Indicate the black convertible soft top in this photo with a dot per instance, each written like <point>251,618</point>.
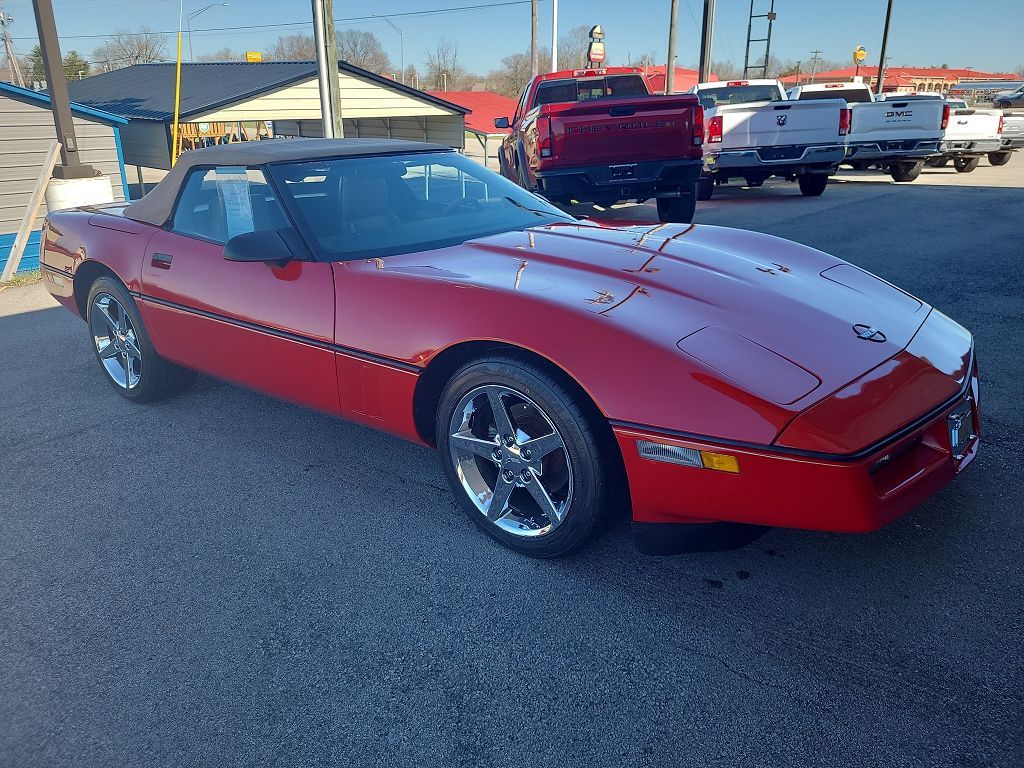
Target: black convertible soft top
<point>157,206</point>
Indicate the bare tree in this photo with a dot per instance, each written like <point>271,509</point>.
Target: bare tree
<point>644,60</point>
<point>572,47</point>
<point>124,48</point>
<point>292,48</point>
<point>515,73</point>
<point>443,70</point>
<point>363,49</point>
<point>224,54</point>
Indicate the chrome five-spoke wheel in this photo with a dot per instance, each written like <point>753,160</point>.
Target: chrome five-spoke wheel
<point>511,460</point>
<point>116,341</point>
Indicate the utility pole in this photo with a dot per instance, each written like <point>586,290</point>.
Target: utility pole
<point>815,58</point>
<point>534,63</point>
<point>881,54</point>
<point>401,41</point>
<point>670,67</point>
<point>327,68</point>
<point>70,166</point>
<point>706,35</point>
<point>554,35</point>
<point>12,59</point>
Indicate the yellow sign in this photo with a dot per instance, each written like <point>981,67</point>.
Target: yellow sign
<point>253,56</point>
<point>859,55</point>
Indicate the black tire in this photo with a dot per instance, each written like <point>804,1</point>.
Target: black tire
<point>157,377</point>
<point>1003,105</point>
<point>705,188</point>
<point>860,165</point>
<point>595,467</point>
<point>937,162</point>
<point>754,181</point>
<point>812,184</point>
<point>999,158</point>
<point>677,210</point>
<point>906,171</point>
<point>966,164</point>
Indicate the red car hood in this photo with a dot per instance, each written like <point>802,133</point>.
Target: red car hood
<point>787,322</point>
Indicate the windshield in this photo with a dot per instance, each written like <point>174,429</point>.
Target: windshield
<point>614,87</point>
<point>851,95</point>
<point>366,207</point>
<point>738,94</point>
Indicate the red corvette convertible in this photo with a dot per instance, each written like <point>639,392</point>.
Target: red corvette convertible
<point>562,369</point>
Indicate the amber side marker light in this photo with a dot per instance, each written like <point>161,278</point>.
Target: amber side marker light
<point>688,457</point>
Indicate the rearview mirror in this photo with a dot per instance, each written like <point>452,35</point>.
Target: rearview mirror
<point>501,122</point>
<point>268,245</point>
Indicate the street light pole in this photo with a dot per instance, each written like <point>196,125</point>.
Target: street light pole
<point>554,35</point>
<point>189,22</point>
<point>70,166</point>
<point>327,69</point>
<point>880,85</point>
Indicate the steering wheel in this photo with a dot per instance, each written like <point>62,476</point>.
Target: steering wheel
<point>462,201</point>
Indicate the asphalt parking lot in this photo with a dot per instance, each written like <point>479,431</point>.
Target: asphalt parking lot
<point>224,579</point>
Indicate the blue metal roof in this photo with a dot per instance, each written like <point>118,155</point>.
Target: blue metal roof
<point>43,99</point>
<point>146,91</point>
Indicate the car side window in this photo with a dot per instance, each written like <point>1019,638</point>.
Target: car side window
<point>219,203</point>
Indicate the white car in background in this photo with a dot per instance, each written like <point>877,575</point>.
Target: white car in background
<point>897,134</point>
<point>752,132</point>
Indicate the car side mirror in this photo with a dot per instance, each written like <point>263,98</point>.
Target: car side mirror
<point>266,246</point>
<point>501,122</point>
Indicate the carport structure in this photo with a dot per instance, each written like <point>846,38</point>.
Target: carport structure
<point>234,101</point>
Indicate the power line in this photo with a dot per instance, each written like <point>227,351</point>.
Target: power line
<point>287,24</point>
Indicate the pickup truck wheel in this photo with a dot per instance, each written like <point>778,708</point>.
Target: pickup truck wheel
<point>528,464</point>
<point>754,181</point>
<point>966,164</point>
<point>705,188</point>
<point>677,210</point>
<point>905,171</point>
<point>999,158</point>
<point>937,162</point>
<point>812,184</point>
<point>123,348</point>
<point>1003,105</point>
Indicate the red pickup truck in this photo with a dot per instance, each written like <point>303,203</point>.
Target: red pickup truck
<point>599,136</point>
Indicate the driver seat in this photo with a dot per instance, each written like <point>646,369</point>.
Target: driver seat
<point>366,205</point>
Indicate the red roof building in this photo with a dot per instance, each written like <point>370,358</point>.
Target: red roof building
<point>484,106</point>
<point>685,78</point>
<point>934,79</point>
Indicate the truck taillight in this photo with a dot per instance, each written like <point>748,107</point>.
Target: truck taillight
<point>1001,123</point>
<point>945,116</point>
<point>544,136</point>
<point>715,130</point>
<point>698,126</point>
<point>845,117</point>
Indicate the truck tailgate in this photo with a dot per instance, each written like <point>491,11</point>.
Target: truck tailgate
<point>608,131</point>
<point>779,123</point>
<point>893,120</point>
<point>972,124</point>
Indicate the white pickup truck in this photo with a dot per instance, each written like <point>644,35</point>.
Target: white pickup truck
<point>753,132</point>
<point>1012,138</point>
<point>898,134</point>
<point>970,135</point>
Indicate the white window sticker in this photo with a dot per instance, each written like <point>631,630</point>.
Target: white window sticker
<point>234,191</point>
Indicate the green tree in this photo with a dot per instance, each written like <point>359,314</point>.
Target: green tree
<point>35,60</point>
<point>75,67</point>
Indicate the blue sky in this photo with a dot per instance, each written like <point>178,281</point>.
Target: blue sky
<point>985,35</point>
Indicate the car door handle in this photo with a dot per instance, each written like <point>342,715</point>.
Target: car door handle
<point>162,260</point>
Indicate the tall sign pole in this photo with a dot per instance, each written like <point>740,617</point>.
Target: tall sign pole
<point>554,35</point>
<point>670,66</point>
<point>70,166</point>
<point>706,34</point>
<point>327,68</point>
<point>881,54</point>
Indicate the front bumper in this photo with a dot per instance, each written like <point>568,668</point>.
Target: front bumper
<point>974,147</point>
<point>799,489</point>
<point>893,150</point>
<point>620,181</point>
<point>777,161</point>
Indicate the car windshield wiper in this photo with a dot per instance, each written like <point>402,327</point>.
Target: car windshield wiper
<point>517,204</point>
